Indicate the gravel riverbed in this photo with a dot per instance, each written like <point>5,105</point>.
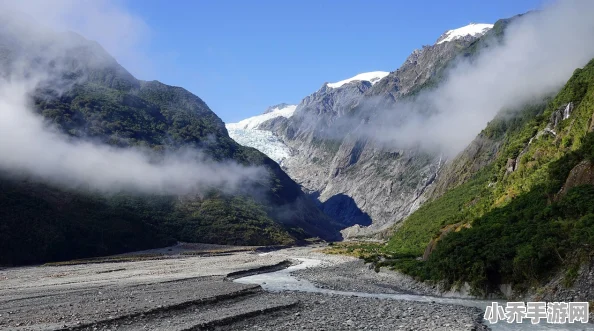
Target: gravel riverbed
<point>184,292</point>
<point>337,312</point>
<point>356,276</point>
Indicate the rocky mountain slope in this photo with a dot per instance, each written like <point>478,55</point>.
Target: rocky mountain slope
<point>513,210</point>
<point>85,95</point>
<point>360,182</point>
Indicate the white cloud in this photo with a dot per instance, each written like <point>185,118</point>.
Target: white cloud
<point>28,145</point>
<point>122,33</point>
<point>539,53</point>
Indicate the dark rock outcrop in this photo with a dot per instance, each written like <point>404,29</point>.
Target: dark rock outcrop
<point>581,174</point>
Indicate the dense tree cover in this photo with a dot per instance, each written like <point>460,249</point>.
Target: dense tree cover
<point>93,98</point>
<point>40,223</point>
<point>43,223</point>
<point>520,230</point>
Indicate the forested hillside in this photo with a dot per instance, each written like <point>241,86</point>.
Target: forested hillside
<point>524,213</point>
<point>89,97</point>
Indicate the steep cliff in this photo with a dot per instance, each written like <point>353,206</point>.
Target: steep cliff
<point>343,169</point>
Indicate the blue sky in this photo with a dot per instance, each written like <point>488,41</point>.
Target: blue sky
<point>243,56</point>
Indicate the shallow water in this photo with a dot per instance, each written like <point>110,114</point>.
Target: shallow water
<point>282,280</point>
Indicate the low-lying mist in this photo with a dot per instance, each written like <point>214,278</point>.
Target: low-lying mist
<point>33,56</point>
<point>30,146</point>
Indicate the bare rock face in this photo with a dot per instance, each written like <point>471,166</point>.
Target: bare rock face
<point>574,284</point>
<point>481,152</point>
<point>273,108</point>
<point>581,174</point>
<point>418,68</point>
<point>364,185</point>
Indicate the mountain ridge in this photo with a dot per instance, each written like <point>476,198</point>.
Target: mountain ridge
<point>371,77</point>
<point>99,101</point>
<point>472,30</point>
<point>327,161</point>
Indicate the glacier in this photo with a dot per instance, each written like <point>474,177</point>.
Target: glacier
<point>262,140</point>
<point>246,133</point>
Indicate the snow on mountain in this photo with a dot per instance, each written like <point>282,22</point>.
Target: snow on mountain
<point>372,77</point>
<point>253,122</point>
<point>245,132</point>
<point>473,29</point>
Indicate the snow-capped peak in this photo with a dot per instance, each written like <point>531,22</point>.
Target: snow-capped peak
<point>372,77</point>
<point>283,110</point>
<point>473,29</point>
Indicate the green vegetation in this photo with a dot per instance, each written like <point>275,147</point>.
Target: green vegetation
<point>511,227</point>
<point>41,223</point>
<point>363,250</point>
<point>234,221</point>
<point>420,227</point>
<point>473,198</point>
<point>156,116</point>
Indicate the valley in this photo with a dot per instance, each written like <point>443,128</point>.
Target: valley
<point>415,176</point>
<point>183,291</point>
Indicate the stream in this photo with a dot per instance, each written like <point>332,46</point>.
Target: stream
<point>283,280</point>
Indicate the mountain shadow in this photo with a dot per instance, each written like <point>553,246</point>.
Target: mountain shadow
<point>343,210</point>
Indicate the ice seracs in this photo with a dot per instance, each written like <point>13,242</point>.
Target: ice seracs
<point>473,29</point>
<point>372,77</point>
<point>262,140</point>
<point>246,133</point>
